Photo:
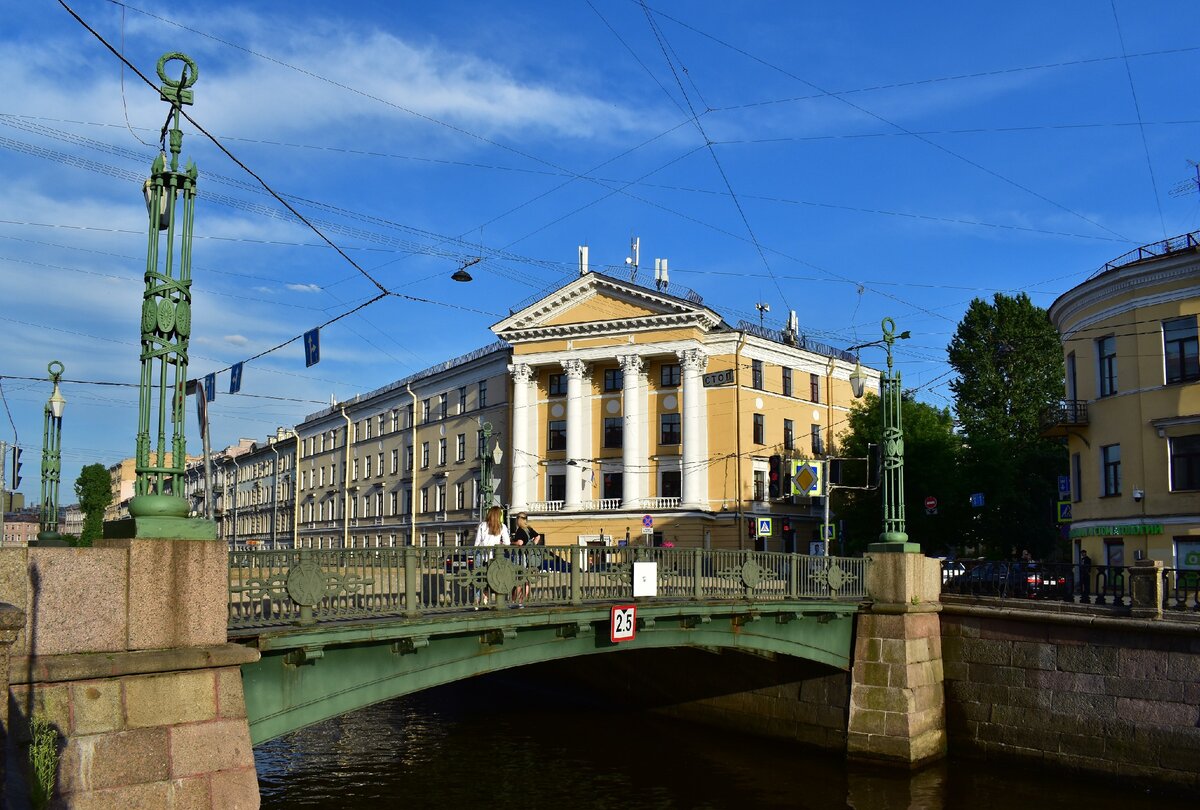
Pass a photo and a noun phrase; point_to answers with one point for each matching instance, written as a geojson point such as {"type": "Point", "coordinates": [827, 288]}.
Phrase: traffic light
{"type": "Point", "coordinates": [789, 536]}
{"type": "Point", "coordinates": [835, 471]}
{"type": "Point", "coordinates": [774, 470]}
{"type": "Point", "coordinates": [16, 459]}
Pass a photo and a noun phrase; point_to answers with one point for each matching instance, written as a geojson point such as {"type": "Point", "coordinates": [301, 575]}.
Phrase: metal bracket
{"type": "Point", "coordinates": [405, 646]}
{"type": "Point", "coordinates": [787, 618]}
{"type": "Point", "coordinates": [645, 623]}
{"type": "Point", "coordinates": [742, 619]}
{"type": "Point", "coordinates": [304, 655]}
{"type": "Point", "coordinates": [497, 636]}
{"type": "Point", "coordinates": [688, 622]}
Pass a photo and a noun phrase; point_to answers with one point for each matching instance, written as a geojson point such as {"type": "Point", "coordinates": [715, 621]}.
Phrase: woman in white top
{"type": "Point", "coordinates": [491, 532]}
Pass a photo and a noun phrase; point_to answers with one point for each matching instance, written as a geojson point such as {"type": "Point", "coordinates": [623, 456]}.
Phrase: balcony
{"type": "Point", "coordinates": [1062, 417]}
{"type": "Point", "coordinates": [546, 506]}
{"type": "Point", "coordinates": [601, 505]}
{"type": "Point", "coordinates": [661, 503]}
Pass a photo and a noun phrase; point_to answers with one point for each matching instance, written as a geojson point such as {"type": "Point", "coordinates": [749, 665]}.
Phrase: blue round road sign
{"type": "Point", "coordinates": [647, 521]}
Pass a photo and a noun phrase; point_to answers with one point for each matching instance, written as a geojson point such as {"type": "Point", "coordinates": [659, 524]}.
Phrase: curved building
{"type": "Point", "coordinates": [1131, 414]}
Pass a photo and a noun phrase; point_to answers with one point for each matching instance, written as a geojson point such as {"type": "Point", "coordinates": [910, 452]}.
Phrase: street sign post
{"type": "Point", "coordinates": [717, 378]}
{"type": "Point", "coordinates": [764, 527]}
{"type": "Point", "coordinates": [808, 478]}
{"type": "Point", "coordinates": [647, 521]}
{"type": "Point", "coordinates": [931, 504]}
{"type": "Point", "coordinates": [1064, 485]}
{"type": "Point", "coordinates": [1064, 511]}
{"type": "Point", "coordinates": [977, 499]}
{"type": "Point", "coordinates": [622, 623]}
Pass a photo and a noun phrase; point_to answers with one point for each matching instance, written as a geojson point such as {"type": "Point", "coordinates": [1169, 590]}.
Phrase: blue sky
{"type": "Point", "coordinates": [884, 160]}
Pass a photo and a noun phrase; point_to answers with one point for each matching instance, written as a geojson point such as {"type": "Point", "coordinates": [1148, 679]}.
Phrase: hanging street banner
{"type": "Point", "coordinates": [808, 478]}
{"type": "Point", "coordinates": [210, 387]}
{"type": "Point", "coordinates": [235, 378]}
{"type": "Point", "coordinates": [312, 347]}
{"type": "Point", "coordinates": [194, 387]}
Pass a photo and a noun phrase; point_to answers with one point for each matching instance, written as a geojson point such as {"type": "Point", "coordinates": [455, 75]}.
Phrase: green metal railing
{"type": "Point", "coordinates": [305, 586]}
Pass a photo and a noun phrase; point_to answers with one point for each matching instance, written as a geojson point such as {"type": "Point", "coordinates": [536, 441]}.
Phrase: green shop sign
{"type": "Point", "coordinates": [1118, 529]}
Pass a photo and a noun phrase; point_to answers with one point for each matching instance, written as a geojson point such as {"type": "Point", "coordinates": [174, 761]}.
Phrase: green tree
{"type": "Point", "coordinates": [1009, 362]}
{"type": "Point", "coordinates": [931, 452]}
{"type": "Point", "coordinates": [93, 488]}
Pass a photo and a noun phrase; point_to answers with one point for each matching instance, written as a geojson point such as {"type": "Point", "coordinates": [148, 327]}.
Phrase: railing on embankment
{"type": "Point", "coordinates": [304, 586]}
{"type": "Point", "coordinates": [1066, 582]}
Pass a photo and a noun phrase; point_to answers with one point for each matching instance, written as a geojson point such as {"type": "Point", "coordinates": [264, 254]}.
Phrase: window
{"type": "Point", "coordinates": [1076, 478]}
{"type": "Point", "coordinates": [814, 385]}
{"type": "Point", "coordinates": [409, 416]}
{"type": "Point", "coordinates": [440, 492]}
{"type": "Point", "coordinates": [787, 382]}
{"type": "Point", "coordinates": [424, 499]}
{"type": "Point", "coordinates": [789, 432]}
{"type": "Point", "coordinates": [322, 442]}
{"type": "Point", "coordinates": [424, 455]}
{"type": "Point", "coordinates": [1185, 462]}
{"type": "Point", "coordinates": [461, 447]}
{"type": "Point", "coordinates": [818, 446]}
{"type": "Point", "coordinates": [444, 405]}
{"type": "Point", "coordinates": [379, 424]}
{"type": "Point", "coordinates": [367, 427]}
{"type": "Point", "coordinates": [408, 458]}
{"type": "Point", "coordinates": [395, 461]}
{"type": "Point", "coordinates": [424, 411]}
{"type": "Point", "coordinates": [557, 439]}
{"type": "Point", "coordinates": [1110, 460]}
{"type": "Point", "coordinates": [614, 379]}
{"type": "Point", "coordinates": [441, 452]}
{"type": "Point", "coordinates": [760, 485]}
{"type": "Point", "coordinates": [378, 504]}
{"type": "Point", "coordinates": [462, 399]}
{"type": "Point", "coordinates": [669, 375]}
{"type": "Point", "coordinates": [558, 385]}
{"type": "Point", "coordinates": [367, 466]}
{"type": "Point", "coordinates": [1106, 352]}
{"type": "Point", "coordinates": [614, 485]}
{"type": "Point", "coordinates": [1180, 348]}
{"type": "Point", "coordinates": [460, 496]}
{"type": "Point", "coordinates": [670, 429]}
{"type": "Point", "coordinates": [614, 431]}
{"type": "Point", "coordinates": [1114, 553]}
{"type": "Point", "coordinates": [672, 484]}
{"type": "Point", "coordinates": [408, 503]}
{"type": "Point", "coordinates": [395, 419]}
{"type": "Point", "coordinates": [759, 429]}
{"type": "Point", "coordinates": [756, 374]}
{"type": "Point", "coordinates": [392, 503]}
{"type": "Point", "coordinates": [379, 464]}
{"type": "Point", "coordinates": [354, 470]}
{"type": "Point", "coordinates": [483, 393]}
{"type": "Point", "coordinates": [556, 487]}
{"type": "Point", "coordinates": [355, 431]}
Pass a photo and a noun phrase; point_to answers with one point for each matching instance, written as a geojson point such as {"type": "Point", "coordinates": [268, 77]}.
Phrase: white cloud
{"type": "Point", "coordinates": [237, 340]}
{"type": "Point", "coordinates": [304, 287]}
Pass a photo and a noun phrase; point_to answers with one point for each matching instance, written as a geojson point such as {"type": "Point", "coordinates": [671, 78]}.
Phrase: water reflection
{"type": "Point", "coordinates": [506, 743]}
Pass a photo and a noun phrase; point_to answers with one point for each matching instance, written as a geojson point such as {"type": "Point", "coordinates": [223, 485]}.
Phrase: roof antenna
{"type": "Point", "coordinates": [792, 330]}
{"type": "Point", "coordinates": [583, 260]}
{"type": "Point", "coordinates": [635, 245]}
{"type": "Point", "coordinates": [763, 307]}
{"type": "Point", "coordinates": [660, 274]}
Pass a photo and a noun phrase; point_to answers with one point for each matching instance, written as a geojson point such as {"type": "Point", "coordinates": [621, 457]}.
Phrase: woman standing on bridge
{"type": "Point", "coordinates": [491, 532]}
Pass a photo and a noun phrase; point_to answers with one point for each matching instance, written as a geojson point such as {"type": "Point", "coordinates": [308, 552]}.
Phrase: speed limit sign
{"type": "Point", "coordinates": [624, 623]}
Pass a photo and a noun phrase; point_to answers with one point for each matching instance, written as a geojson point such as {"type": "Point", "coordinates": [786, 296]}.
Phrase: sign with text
{"type": "Point", "coordinates": [716, 378]}
{"type": "Point", "coordinates": [623, 623]}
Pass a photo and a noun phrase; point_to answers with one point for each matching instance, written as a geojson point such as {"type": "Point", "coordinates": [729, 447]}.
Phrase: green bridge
{"type": "Point", "coordinates": [341, 629]}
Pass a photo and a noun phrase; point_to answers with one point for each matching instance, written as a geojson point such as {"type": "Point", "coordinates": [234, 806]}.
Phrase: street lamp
{"type": "Point", "coordinates": [166, 325]}
{"type": "Point", "coordinates": [893, 538]}
{"type": "Point", "coordinates": [52, 459]}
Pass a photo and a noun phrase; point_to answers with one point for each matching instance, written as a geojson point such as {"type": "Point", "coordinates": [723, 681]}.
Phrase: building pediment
{"type": "Point", "coordinates": [595, 304]}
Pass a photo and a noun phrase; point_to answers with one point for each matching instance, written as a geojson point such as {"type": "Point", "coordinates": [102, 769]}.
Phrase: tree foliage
{"type": "Point", "coordinates": [931, 451]}
{"type": "Point", "coordinates": [93, 488]}
{"type": "Point", "coordinates": [1009, 363]}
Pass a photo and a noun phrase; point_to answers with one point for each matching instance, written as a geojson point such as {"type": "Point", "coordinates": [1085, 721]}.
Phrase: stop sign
{"type": "Point", "coordinates": [931, 502]}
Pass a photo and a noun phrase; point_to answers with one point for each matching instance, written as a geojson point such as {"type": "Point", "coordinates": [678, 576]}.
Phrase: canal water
{"type": "Point", "coordinates": [508, 743]}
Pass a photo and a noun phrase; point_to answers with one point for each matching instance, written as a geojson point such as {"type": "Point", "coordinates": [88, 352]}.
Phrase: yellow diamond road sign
{"type": "Point", "coordinates": [807, 478]}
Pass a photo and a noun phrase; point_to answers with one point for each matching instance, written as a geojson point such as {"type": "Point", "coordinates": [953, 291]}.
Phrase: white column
{"type": "Point", "coordinates": [634, 460]}
{"type": "Point", "coordinates": [693, 424]}
{"type": "Point", "coordinates": [576, 431]}
{"type": "Point", "coordinates": [523, 457]}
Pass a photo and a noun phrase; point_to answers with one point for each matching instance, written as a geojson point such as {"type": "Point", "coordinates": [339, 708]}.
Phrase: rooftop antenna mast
{"type": "Point", "coordinates": [635, 246]}
{"type": "Point", "coordinates": [583, 260]}
{"type": "Point", "coordinates": [763, 307]}
{"type": "Point", "coordinates": [661, 280]}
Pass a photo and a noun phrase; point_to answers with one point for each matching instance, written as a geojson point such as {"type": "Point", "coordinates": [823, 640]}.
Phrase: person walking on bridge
{"type": "Point", "coordinates": [524, 536]}
{"type": "Point", "coordinates": [491, 532]}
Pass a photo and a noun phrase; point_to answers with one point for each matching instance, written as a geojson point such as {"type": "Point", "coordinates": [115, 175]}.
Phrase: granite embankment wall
{"type": "Point", "coordinates": [1067, 687]}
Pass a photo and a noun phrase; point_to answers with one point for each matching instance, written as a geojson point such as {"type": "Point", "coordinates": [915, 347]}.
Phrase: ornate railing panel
{"type": "Point", "coordinates": [271, 588]}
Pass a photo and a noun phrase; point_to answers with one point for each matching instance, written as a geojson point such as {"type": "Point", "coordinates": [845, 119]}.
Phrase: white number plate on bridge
{"type": "Point", "coordinates": [624, 623]}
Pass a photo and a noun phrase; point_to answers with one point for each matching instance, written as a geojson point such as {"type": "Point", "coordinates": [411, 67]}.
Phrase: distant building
{"type": "Point", "coordinates": [1131, 415]}
{"type": "Point", "coordinates": [124, 477]}
{"type": "Point", "coordinates": [253, 490]}
{"type": "Point", "coordinates": [20, 528]}
{"type": "Point", "coordinates": [12, 501]}
{"type": "Point", "coordinates": [70, 520]}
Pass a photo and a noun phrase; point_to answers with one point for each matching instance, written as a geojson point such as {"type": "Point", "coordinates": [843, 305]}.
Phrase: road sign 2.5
{"type": "Point", "coordinates": [623, 623]}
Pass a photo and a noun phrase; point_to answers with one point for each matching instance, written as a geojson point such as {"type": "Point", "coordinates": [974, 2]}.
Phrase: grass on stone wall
{"type": "Point", "coordinates": [43, 762]}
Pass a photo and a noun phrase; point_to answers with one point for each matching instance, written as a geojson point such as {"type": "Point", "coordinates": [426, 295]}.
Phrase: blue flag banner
{"type": "Point", "coordinates": [312, 347]}
{"type": "Point", "coordinates": [235, 378]}
{"type": "Point", "coordinates": [210, 387]}
{"type": "Point", "coordinates": [201, 405]}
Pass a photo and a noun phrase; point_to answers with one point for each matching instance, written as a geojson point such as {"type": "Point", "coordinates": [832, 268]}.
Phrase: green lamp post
{"type": "Point", "coordinates": [52, 459]}
{"type": "Point", "coordinates": [158, 507]}
{"type": "Point", "coordinates": [893, 538]}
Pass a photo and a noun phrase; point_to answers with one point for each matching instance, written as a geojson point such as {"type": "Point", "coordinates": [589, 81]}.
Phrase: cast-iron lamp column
{"type": "Point", "coordinates": [52, 460]}
{"type": "Point", "coordinates": [894, 537]}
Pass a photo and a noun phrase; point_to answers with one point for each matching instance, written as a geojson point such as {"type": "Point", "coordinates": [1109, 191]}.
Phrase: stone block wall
{"type": "Point", "coordinates": [1094, 694]}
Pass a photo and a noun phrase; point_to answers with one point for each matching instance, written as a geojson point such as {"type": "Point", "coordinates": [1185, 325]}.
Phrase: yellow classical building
{"type": "Point", "coordinates": [1132, 408]}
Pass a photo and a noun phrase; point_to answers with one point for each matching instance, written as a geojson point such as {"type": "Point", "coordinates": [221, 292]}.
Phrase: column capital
{"type": "Point", "coordinates": [574, 368]}
{"type": "Point", "coordinates": [521, 372]}
{"type": "Point", "coordinates": [631, 363]}
{"type": "Point", "coordinates": [693, 359]}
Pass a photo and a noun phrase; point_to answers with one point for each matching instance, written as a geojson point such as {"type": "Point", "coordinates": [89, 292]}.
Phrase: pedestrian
{"type": "Point", "coordinates": [525, 535]}
{"type": "Point", "coordinates": [1085, 576]}
{"type": "Point", "coordinates": [1026, 557]}
{"type": "Point", "coordinates": [491, 532]}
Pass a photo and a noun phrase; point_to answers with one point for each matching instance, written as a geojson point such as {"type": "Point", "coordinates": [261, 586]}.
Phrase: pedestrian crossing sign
{"type": "Point", "coordinates": [1064, 511]}
{"type": "Point", "coordinates": [764, 527]}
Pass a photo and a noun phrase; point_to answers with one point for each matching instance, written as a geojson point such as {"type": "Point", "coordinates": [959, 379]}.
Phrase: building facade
{"type": "Point", "coordinates": [1131, 414]}
{"type": "Point", "coordinates": [253, 491]}
{"type": "Point", "coordinates": [404, 465]}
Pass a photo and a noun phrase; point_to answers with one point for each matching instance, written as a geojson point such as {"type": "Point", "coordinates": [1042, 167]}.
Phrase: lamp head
{"type": "Point", "coordinates": [858, 380]}
{"type": "Point", "coordinates": [461, 275]}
